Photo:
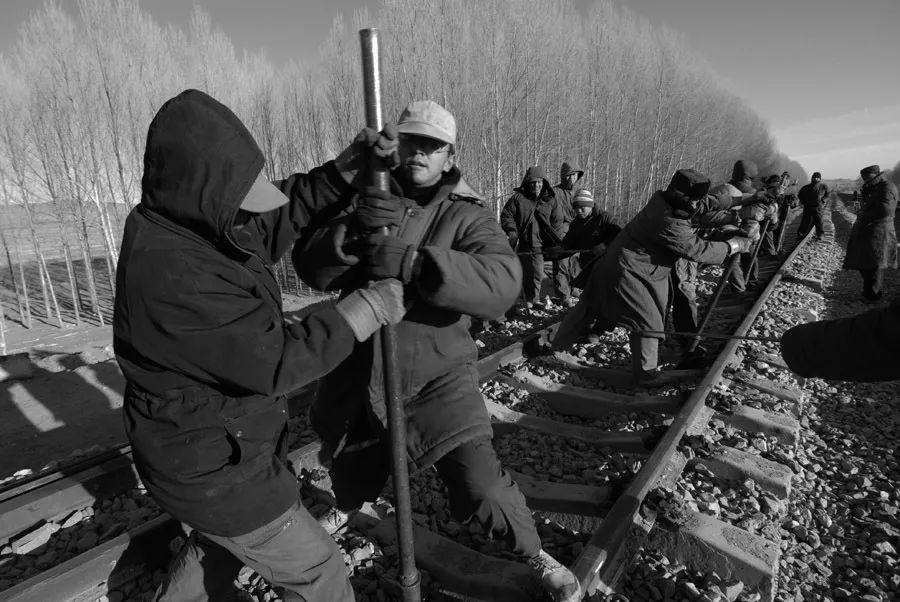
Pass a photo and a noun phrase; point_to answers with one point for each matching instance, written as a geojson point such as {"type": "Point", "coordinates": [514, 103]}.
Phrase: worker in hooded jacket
{"type": "Point", "coordinates": [566, 269]}
{"type": "Point", "coordinates": [533, 221]}
{"type": "Point", "coordinates": [456, 263]}
{"type": "Point", "coordinates": [208, 360]}
{"type": "Point", "coordinates": [630, 286]}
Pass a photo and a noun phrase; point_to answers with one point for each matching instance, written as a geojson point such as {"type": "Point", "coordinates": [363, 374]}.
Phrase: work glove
{"type": "Point", "coordinates": [370, 150]}
{"type": "Point", "coordinates": [739, 244]}
{"type": "Point", "coordinates": [368, 309]}
{"type": "Point", "coordinates": [513, 238]}
{"type": "Point", "coordinates": [379, 209]}
{"type": "Point", "coordinates": [387, 256]}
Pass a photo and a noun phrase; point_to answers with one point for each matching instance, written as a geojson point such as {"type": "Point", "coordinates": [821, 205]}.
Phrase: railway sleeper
{"type": "Point", "coordinates": [508, 420]}
{"type": "Point", "coordinates": [590, 403]}
{"type": "Point", "coordinates": [733, 553]}
{"type": "Point", "coordinates": [624, 378]}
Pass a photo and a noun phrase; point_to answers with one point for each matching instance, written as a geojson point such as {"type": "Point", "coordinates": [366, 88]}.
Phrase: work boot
{"type": "Point", "coordinates": [555, 579]}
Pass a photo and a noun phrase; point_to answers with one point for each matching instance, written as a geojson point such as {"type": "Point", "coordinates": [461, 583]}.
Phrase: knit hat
{"type": "Point", "coordinates": [744, 169]}
{"type": "Point", "coordinates": [816, 176]}
{"type": "Point", "coordinates": [872, 170]}
{"type": "Point", "coordinates": [428, 118]}
{"type": "Point", "coordinates": [583, 198]}
{"type": "Point", "coordinates": [691, 183]}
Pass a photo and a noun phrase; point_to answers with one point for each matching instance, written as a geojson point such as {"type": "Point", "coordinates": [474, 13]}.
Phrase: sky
{"type": "Point", "coordinates": [822, 73]}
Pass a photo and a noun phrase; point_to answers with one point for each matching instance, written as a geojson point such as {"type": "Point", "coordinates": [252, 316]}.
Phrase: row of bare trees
{"type": "Point", "coordinates": [529, 81]}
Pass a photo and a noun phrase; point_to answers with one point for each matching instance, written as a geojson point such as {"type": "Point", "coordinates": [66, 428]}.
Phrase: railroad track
{"type": "Point", "coordinates": [586, 449]}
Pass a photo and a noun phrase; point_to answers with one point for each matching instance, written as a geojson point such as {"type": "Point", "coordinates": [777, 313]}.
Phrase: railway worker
{"type": "Point", "coordinates": [630, 285]}
{"type": "Point", "coordinates": [592, 230]}
{"type": "Point", "coordinates": [532, 220]}
{"type": "Point", "coordinates": [199, 336]}
{"type": "Point", "coordinates": [456, 263]}
{"type": "Point", "coordinates": [775, 191]}
{"type": "Point", "coordinates": [861, 348]}
{"type": "Point", "coordinates": [813, 197]}
{"type": "Point", "coordinates": [566, 269]}
{"type": "Point", "coordinates": [872, 245]}
{"type": "Point", "coordinates": [786, 201]}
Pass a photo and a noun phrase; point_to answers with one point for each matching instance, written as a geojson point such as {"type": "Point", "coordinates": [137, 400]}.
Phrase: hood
{"type": "Point", "coordinates": [569, 168]}
{"type": "Point", "coordinates": [533, 173]}
{"type": "Point", "coordinates": [199, 164]}
{"type": "Point", "coordinates": [743, 169]}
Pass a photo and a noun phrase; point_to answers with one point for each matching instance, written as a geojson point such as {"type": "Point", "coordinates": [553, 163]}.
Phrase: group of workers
{"type": "Point", "coordinates": [208, 358]}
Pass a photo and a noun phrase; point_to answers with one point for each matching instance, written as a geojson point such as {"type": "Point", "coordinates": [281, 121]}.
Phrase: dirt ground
{"type": "Point", "coordinates": [72, 403]}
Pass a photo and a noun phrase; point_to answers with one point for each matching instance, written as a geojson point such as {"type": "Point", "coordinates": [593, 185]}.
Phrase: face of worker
{"type": "Point", "coordinates": [571, 179]}
{"type": "Point", "coordinates": [424, 160]}
{"type": "Point", "coordinates": [534, 187]}
{"type": "Point", "coordinates": [868, 176]}
{"type": "Point", "coordinates": [745, 185]}
{"type": "Point", "coordinates": [583, 211]}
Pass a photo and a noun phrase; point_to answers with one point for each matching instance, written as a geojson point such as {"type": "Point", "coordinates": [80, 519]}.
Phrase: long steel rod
{"type": "Point", "coordinates": [396, 415]}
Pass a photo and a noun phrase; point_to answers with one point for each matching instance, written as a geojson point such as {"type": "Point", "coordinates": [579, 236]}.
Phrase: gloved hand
{"type": "Point", "coordinates": [739, 244]}
{"type": "Point", "coordinates": [513, 238]}
{"type": "Point", "coordinates": [368, 309]}
{"type": "Point", "coordinates": [379, 209]}
{"type": "Point", "coordinates": [387, 256]}
{"type": "Point", "coordinates": [369, 150]}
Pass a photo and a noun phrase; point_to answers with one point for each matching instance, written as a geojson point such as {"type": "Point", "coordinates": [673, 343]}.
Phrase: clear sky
{"type": "Point", "coordinates": [823, 73]}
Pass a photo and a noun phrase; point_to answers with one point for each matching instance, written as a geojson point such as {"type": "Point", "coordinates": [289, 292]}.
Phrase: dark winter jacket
{"type": "Point", "coordinates": [533, 223]}
{"type": "Point", "coordinates": [813, 195]}
{"type": "Point", "coordinates": [859, 348]}
{"type": "Point", "coordinates": [198, 328]}
{"type": "Point", "coordinates": [629, 286]}
{"type": "Point", "coordinates": [468, 269]}
{"type": "Point", "coordinates": [565, 193]}
{"type": "Point", "coordinates": [594, 234]}
{"type": "Point", "coordinates": [873, 240]}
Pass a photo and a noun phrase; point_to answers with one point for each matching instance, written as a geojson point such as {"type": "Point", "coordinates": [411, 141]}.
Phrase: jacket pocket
{"type": "Point", "coordinates": [254, 436]}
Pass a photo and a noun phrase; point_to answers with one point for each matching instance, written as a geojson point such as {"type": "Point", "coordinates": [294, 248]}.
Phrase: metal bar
{"type": "Point", "coordinates": [409, 575]}
{"type": "Point", "coordinates": [723, 337]}
{"type": "Point", "coordinates": [720, 288]}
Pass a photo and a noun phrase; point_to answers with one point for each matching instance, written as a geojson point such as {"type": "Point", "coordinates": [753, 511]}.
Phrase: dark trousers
{"type": "Point", "coordinates": [480, 489]}
{"type": "Point", "coordinates": [769, 241]}
{"type": "Point", "coordinates": [684, 299]}
{"type": "Point", "coordinates": [564, 271]}
{"type": "Point", "coordinates": [532, 276]}
{"type": "Point", "coordinates": [873, 281]}
{"type": "Point", "coordinates": [644, 355]}
{"type": "Point", "coordinates": [812, 216]}
{"type": "Point", "coordinates": [293, 553]}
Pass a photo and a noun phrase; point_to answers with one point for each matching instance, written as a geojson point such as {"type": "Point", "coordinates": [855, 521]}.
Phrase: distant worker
{"type": "Point", "coordinates": [566, 268]}
{"type": "Point", "coordinates": [775, 198]}
{"type": "Point", "coordinates": [813, 197]}
{"type": "Point", "coordinates": [532, 221]}
{"type": "Point", "coordinates": [872, 245]}
{"type": "Point", "coordinates": [456, 263]}
{"type": "Point", "coordinates": [861, 348]}
{"type": "Point", "coordinates": [208, 360]}
{"type": "Point", "coordinates": [591, 231]}
{"type": "Point", "coordinates": [630, 285]}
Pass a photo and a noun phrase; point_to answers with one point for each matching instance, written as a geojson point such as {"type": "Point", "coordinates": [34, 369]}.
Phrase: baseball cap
{"type": "Point", "coordinates": [263, 196]}
{"type": "Point", "coordinates": [428, 118]}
